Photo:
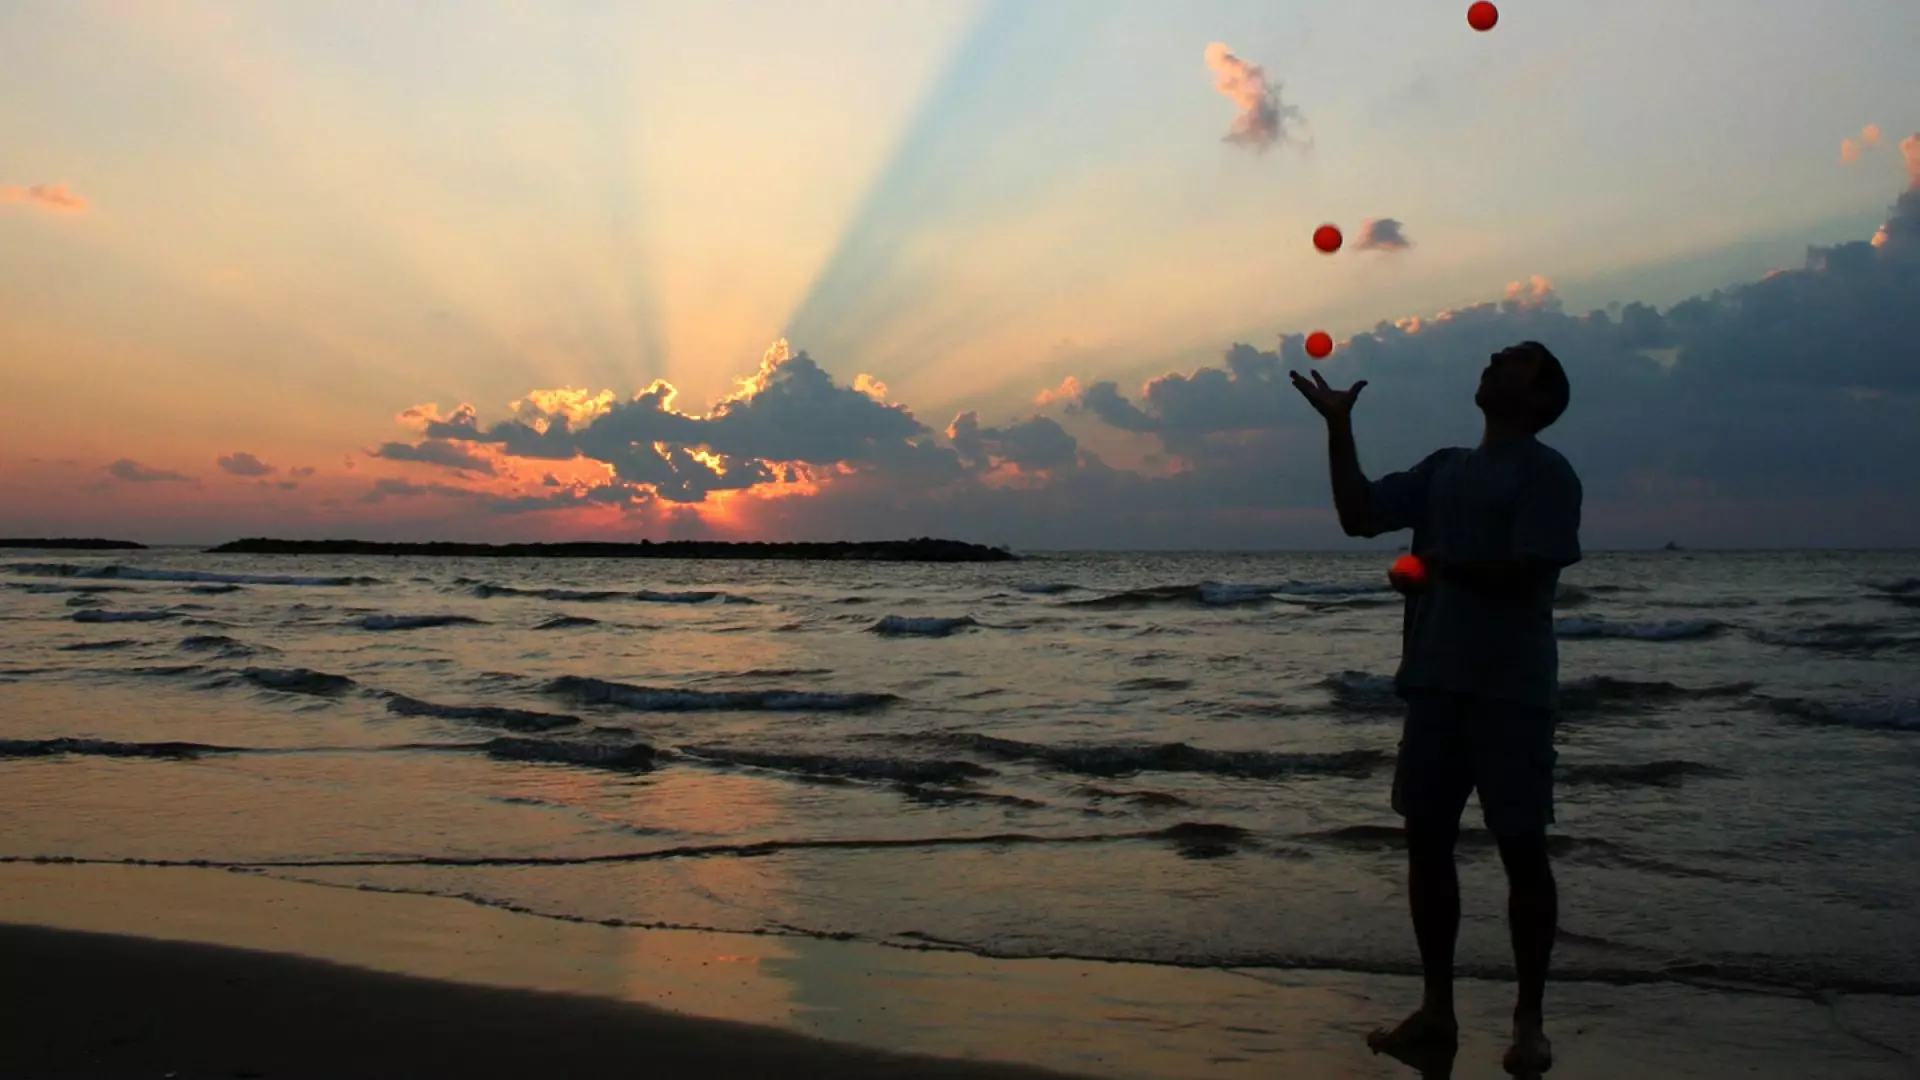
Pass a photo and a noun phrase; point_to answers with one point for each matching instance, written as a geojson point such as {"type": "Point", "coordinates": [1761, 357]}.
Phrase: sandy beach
{"type": "Point", "coordinates": [219, 974]}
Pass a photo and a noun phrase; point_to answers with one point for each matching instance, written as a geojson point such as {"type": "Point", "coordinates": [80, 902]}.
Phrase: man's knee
{"type": "Point", "coordinates": [1431, 840]}
{"type": "Point", "coordinates": [1525, 856]}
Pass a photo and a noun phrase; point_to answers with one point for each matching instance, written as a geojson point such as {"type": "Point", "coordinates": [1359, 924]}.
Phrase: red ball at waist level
{"type": "Point", "coordinates": [1482, 16]}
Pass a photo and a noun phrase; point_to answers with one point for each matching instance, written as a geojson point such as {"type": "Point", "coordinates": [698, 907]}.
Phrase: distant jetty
{"type": "Point", "coordinates": [69, 544]}
{"type": "Point", "coordinates": [922, 549]}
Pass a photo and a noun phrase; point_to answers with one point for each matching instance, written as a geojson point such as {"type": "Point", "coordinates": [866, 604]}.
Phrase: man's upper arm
{"type": "Point", "coordinates": [1399, 500]}
{"type": "Point", "coordinates": [1546, 523]}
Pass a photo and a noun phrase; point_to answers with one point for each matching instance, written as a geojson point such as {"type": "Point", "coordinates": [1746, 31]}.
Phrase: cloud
{"type": "Point", "coordinates": [1729, 396]}
{"type": "Point", "coordinates": [53, 198]}
{"type": "Point", "coordinates": [1263, 116]}
{"type": "Point", "coordinates": [1031, 445]}
{"type": "Point", "coordinates": [303, 470]}
{"type": "Point", "coordinates": [788, 416]}
{"type": "Point", "coordinates": [1386, 234]}
{"type": "Point", "coordinates": [241, 463]}
{"type": "Point", "coordinates": [439, 452]}
{"type": "Point", "coordinates": [1851, 148]}
{"type": "Point", "coordinates": [1711, 421]}
{"type": "Point", "coordinates": [1900, 237]}
{"type": "Point", "coordinates": [133, 472]}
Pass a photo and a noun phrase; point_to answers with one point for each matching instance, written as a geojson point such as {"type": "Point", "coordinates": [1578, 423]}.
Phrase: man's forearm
{"type": "Point", "coordinates": [1349, 483]}
{"type": "Point", "coordinates": [1492, 577]}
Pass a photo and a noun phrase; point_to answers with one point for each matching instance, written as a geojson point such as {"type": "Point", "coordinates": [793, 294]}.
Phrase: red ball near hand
{"type": "Point", "coordinates": [1408, 574]}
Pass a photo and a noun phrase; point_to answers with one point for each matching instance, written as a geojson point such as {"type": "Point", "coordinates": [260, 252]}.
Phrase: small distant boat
{"type": "Point", "coordinates": [1671, 546]}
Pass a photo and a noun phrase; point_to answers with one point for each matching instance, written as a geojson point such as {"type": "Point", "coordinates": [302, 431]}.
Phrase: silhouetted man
{"type": "Point", "coordinates": [1494, 526]}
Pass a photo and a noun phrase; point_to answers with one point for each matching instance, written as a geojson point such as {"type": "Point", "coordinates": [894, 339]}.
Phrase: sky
{"type": "Point", "coordinates": [1015, 272]}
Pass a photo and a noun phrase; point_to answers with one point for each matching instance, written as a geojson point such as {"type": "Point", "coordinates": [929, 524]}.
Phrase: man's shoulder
{"type": "Point", "coordinates": [1548, 461]}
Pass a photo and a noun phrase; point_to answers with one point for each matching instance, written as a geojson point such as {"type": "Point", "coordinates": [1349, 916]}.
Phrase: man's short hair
{"type": "Point", "coordinates": [1550, 379]}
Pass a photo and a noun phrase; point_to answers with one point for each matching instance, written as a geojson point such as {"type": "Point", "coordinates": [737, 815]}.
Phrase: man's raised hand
{"type": "Point", "coordinates": [1328, 402]}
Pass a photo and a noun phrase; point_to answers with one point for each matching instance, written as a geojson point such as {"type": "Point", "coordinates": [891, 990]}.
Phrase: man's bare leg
{"type": "Point", "coordinates": [1433, 895]}
{"type": "Point", "coordinates": [1533, 909]}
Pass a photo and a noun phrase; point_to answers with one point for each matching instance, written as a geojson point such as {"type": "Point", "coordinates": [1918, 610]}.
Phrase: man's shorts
{"type": "Point", "coordinates": [1455, 743]}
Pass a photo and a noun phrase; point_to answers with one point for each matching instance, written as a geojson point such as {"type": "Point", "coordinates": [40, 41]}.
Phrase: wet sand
{"type": "Point", "coordinates": [215, 974]}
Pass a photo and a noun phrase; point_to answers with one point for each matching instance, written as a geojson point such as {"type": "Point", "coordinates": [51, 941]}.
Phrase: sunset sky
{"type": "Point", "coordinates": [1026, 272]}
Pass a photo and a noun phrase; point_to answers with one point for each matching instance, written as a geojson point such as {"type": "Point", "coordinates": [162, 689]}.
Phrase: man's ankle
{"type": "Point", "coordinates": [1528, 1019]}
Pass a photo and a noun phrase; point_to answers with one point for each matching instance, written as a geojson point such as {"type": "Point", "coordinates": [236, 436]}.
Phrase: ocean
{"type": "Point", "coordinates": [1164, 758]}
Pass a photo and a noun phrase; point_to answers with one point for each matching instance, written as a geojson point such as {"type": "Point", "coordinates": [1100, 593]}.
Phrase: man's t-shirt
{"type": "Point", "coordinates": [1514, 498]}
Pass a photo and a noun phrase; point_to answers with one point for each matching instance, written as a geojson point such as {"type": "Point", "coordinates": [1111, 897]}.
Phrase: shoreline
{"type": "Point", "coordinates": [433, 978]}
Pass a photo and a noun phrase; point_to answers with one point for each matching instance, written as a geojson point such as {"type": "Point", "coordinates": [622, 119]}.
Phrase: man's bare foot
{"type": "Point", "coordinates": [1423, 1030]}
{"type": "Point", "coordinates": [1531, 1054]}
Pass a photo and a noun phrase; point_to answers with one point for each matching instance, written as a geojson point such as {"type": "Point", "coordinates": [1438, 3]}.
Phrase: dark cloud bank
{"type": "Point", "coordinates": [1782, 412]}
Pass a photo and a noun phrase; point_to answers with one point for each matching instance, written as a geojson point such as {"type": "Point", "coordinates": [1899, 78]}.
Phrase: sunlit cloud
{"type": "Point", "coordinates": [1851, 148]}
{"type": "Point", "coordinates": [53, 198]}
{"type": "Point", "coordinates": [1263, 117]}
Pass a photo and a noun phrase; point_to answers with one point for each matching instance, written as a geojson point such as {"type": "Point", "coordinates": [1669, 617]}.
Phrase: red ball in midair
{"type": "Point", "coordinates": [1319, 344]}
{"type": "Point", "coordinates": [1482, 15]}
{"type": "Point", "coordinates": [1408, 574]}
{"type": "Point", "coordinates": [1327, 238]}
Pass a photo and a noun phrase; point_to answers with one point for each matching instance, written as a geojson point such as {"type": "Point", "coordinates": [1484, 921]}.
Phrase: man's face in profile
{"type": "Point", "coordinates": [1507, 385]}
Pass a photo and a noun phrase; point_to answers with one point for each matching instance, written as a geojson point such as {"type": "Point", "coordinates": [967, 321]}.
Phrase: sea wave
{"type": "Point", "coordinates": [298, 680]}
{"type": "Point", "coordinates": [415, 622]}
{"type": "Point", "coordinates": [488, 589]}
{"type": "Point", "coordinates": [625, 757]}
{"type": "Point", "coordinates": [567, 622]}
{"type": "Point", "coordinates": [92, 616]}
{"type": "Point", "coordinates": [494, 715]}
{"type": "Point", "coordinates": [25, 748]}
{"type": "Point", "coordinates": [668, 699]}
{"type": "Point", "coordinates": [1217, 594]}
{"type": "Point", "coordinates": [1838, 637]}
{"type": "Point", "coordinates": [903, 770]}
{"type": "Point", "coordinates": [1593, 693]}
{"type": "Point", "coordinates": [1670, 773]}
{"type": "Point", "coordinates": [921, 626]}
{"type": "Point", "coordinates": [141, 573]}
{"type": "Point", "coordinates": [1122, 759]}
{"type": "Point", "coordinates": [1590, 626]}
{"type": "Point", "coordinates": [222, 645]}
{"type": "Point", "coordinates": [1884, 715]}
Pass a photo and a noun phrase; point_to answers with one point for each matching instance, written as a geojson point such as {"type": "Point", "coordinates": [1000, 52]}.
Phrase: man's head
{"type": "Point", "coordinates": [1523, 387]}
